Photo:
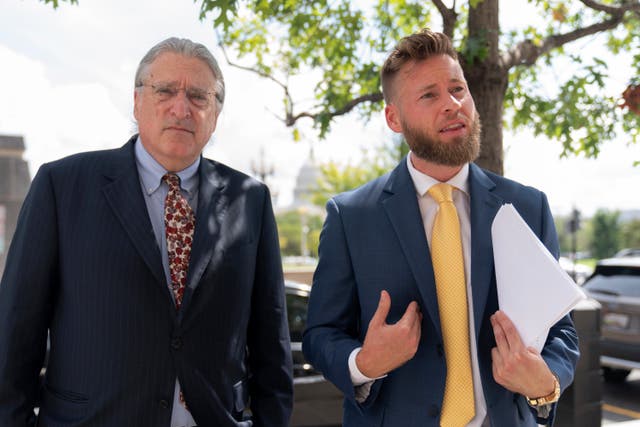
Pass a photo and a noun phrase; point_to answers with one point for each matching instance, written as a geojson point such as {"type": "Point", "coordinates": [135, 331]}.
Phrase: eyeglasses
{"type": "Point", "coordinates": [165, 92]}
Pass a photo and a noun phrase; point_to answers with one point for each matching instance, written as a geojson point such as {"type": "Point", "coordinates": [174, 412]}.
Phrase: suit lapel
{"type": "Point", "coordinates": [401, 205]}
{"type": "Point", "coordinates": [484, 207]}
{"type": "Point", "coordinates": [124, 195]}
{"type": "Point", "coordinates": [212, 207]}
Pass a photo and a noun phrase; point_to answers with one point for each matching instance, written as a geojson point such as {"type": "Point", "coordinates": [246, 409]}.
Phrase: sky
{"type": "Point", "coordinates": [67, 86]}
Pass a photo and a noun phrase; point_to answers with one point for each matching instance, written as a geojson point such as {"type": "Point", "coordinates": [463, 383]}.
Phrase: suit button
{"type": "Point", "coordinates": [164, 404]}
{"type": "Point", "coordinates": [433, 411]}
{"type": "Point", "coordinates": [176, 343]}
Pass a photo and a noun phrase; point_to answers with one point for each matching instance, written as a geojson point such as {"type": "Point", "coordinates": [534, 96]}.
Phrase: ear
{"type": "Point", "coordinates": [393, 118]}
{"type": "Point", "coordinates": [135, 103]}
{"type": "Point", "coordinates": [214, 124]}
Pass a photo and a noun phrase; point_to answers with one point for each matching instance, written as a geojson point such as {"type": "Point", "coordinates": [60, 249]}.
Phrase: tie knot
{"type": "Point", "coordinates": [172, 180]}
{"type": "Point", "coordinates": [441, 192]}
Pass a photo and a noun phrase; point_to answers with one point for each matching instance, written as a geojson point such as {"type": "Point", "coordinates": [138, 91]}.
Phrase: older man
{"type": "Point", "coordinates": [155, 271]}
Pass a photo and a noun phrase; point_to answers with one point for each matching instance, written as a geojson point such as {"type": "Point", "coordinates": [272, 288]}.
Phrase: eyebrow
{"type": "Point", "coordinates": [176, 83]}
{"type": "Point", "coordinates": [433, 85]}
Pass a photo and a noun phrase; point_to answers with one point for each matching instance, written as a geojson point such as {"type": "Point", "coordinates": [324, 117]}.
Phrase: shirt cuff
{"type": "Point", "coordinates": [544, 410]}
{"type": "Point", "coordinates": [357, 377]}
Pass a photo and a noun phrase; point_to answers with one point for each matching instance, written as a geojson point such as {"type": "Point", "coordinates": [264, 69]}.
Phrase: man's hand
{"type": "Point", "coordinates": [387, 347]}
{"type": "Point", "coordinates": [516, 367]}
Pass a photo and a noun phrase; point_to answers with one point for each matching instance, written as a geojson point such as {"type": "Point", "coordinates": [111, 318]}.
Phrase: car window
{"type": "Point", "coordinates": [297, 314]}
{"type": "Point", "coordinates": [623, 284]}
{"type": "Point", "coordinates": [614, 270]}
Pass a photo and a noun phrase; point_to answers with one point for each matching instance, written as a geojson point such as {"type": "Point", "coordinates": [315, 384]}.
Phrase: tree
{"type": "Point", "coordinates": [290, 231]}
{"type": "Point", "coordinates": [336, 178]}
{"type": "Point", "coordinates": [565, 236]}
{"type": "Point", "coordinates": [631, 234]}
{"type": "Point", "coordinates": [605, 233]}
{"type": "Point", "coordinates": [343, 43]}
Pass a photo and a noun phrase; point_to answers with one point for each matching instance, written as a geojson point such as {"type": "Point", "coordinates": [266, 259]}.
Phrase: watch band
{"type": "Point", "coordinates": [550, 398]}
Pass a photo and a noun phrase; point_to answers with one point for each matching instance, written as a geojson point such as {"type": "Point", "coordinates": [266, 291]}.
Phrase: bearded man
{"type": "Point", "coordinates": [403, 315]}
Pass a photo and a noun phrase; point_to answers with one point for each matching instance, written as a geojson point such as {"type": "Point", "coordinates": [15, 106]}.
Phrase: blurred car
{"type": "Point", "coordinates": [628, 252]}
{"type": "Point", "coordinates": [317, 402]}
{"type": "Point", "coordinates": [579, 272]}
{"type": "Point", "coordinates": [615, 284]}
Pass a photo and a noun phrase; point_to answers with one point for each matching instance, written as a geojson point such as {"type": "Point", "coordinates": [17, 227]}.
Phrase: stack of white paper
{"type": "Point", "coordinates": [533, 290]}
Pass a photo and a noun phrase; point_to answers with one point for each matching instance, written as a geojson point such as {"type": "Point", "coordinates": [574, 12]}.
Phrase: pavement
{"type": "Point", "coordinates": [633, 423]}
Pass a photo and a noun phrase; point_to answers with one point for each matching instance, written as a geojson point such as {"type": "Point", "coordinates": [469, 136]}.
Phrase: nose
{"type": "Point", "coordinates": [180, 106]}
{"type": "Point", "coordinates": [452, 104]}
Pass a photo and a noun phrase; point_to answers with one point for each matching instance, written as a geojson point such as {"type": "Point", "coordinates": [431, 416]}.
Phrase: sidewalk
{"type": "Point", "coordinates": [633, 423]}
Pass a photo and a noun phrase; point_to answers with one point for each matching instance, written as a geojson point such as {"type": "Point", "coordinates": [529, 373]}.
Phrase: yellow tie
{"type": "Point", "coordinates": [446, 255]}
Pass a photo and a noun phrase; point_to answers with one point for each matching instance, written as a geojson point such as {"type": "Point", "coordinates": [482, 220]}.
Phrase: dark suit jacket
{"type": "Point", "coordinates": [84, 264]}
{"type": "Point", "coordinates": [374, 239]}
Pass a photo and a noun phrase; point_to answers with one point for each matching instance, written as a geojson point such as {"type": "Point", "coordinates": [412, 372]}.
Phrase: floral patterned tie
{"type": "Point", "coordinates": [179, 223]}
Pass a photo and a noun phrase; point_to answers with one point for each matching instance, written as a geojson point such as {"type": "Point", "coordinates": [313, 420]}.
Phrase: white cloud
{"type": "Point", "coordinates": [608, 182]}
{"type": "Point", "coordinates": [56, 120]}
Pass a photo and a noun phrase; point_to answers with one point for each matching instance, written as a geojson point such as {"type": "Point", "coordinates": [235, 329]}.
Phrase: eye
{"type": "Point", "coordinates": [198, 97]}
{"type": "Point", "coordinates": [428, 95]}
{"type": "Point", "coordinates": [457, 89]}
{"type": "Point", "coordinates": [165, 92]}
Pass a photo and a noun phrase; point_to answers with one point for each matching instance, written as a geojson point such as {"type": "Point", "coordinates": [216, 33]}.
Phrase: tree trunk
{"type": "Point", "coordinates": [488, 80]}
{"type": "Point", "coordinates": [488, 86]}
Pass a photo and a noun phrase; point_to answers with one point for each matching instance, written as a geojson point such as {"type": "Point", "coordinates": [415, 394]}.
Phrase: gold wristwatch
{"type": "Point", "coordinates": [550, 398]}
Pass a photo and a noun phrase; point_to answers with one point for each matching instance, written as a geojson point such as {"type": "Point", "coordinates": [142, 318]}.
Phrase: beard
{"type": "Point", "coordinates": [457, 152]}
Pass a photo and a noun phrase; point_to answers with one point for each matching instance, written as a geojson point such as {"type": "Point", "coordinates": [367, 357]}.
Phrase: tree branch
{"type": "Point", "coordinates": [527, 53]}
{"type": "Point", "coordinates": [253, 70]}
{"type": "Point", "coordinates": [290, 118]}
{"type": "Point", "coordinates": [370, 97]}
{"type": "Point", "coordinates": [285, 88]}
{"type": "Point", "coordinates": [612, 10]}
{"type": "Point", "coordinates": [449, 17]}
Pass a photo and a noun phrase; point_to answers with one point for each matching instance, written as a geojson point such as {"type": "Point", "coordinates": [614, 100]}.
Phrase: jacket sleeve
{"type": "Point", "coordinates": [271, 383]}
{"type": "Point", "coordinates": [27, 292]}
{"type": "Point", "coordinates": [333, 319]}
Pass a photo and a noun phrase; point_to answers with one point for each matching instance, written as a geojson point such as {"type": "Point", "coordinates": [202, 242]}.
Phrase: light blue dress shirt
{"type": "Point", "coordinates": [155, 191]}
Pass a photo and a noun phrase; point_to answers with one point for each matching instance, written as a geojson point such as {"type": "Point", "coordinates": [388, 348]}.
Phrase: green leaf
{"type": "Point", "coordinates": [56, 3]}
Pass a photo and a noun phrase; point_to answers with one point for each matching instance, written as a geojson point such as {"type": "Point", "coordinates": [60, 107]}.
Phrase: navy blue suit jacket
{"type": "Point", "coordinates": [84, 264]}
{"type": "Point", "coordinates": [374, 239]}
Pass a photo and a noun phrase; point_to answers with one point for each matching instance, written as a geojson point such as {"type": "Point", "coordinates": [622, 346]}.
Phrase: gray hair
{"type": "Point", "coordinates": [187, 48]}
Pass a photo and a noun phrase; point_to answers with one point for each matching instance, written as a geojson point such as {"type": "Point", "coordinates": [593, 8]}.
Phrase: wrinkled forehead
{"type": "Point", "coordinates": [174, 68]}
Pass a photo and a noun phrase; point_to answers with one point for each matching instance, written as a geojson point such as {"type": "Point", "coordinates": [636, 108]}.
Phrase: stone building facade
{"type": "Point", "coordinates": [14, 183]}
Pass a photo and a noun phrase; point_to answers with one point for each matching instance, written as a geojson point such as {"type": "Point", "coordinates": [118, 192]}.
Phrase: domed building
{"type": "Point", "coordinates": [306, 182]}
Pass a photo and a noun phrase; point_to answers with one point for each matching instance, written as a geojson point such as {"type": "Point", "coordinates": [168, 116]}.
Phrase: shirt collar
{"type": "Point", "coordinates": [423, 182]}
{"type": "Point", "coordinates": [151, 172]}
